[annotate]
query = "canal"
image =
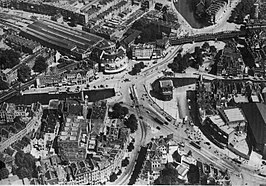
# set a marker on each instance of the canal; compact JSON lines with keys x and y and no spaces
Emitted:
{"x":44,"y":98}
{"x":185,"y":8}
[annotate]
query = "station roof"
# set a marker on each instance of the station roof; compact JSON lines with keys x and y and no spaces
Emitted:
{"x":62,"y":35}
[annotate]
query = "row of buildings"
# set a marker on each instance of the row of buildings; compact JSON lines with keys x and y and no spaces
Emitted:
{"x":231,"y":62}
{"x":17,"y":121}
{"x":68,"y":11}
{"x":256,"y":49}
{"x":99,"y":7}
{"x":75,"y":77}
{"x":150,"y":51}
{"x":168,"y":26}
{"x":162,"y":151}
{"x":92,"y":144}
{"x":227,"y":110}
{"x":86,"y":70}
{"x":214,"y":9}
{"x":83,"y":13}
{"x":66,"y":41}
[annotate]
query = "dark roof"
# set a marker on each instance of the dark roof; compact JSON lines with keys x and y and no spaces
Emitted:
{"x":255,"y":114}
{"x":61,"y":35}
{"x":132,"y":37}
{"x":120,"y":52}
{"x":162,"y":42}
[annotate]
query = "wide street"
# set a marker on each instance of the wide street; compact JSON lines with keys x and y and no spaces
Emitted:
{"x":147,"y":109}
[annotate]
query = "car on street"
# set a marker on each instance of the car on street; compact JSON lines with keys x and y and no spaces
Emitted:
{"x":158,"y":128}
{"x":261,"y":174}
{"x":168,"y":118}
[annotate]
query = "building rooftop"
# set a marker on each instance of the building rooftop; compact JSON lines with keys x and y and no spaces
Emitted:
{"x":72,"y":129}
{"x":54,"y":103}
{"x":240,"y":99}
{"x":113,"y":56}
{"x":182,"y":170}
{"x":166,"y":83}
{"x":62,"y":36}
{"x":216,"y":119}
{"x":143,"y":46}
{"x":11,"y":180}
{"x":232,"y":115}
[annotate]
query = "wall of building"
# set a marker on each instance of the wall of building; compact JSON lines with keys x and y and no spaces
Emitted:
{"x":219,"y":134}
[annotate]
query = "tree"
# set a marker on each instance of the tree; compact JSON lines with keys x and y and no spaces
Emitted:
{"x":176,"y":156}
{"x":241,"y":10}
{"x":119,"y":172}
{"x":119,"y":111}
{"x":8,"y":58}
{"x":23,"y":173}
{"x":174,"y":66}
{"x":189,"y":153}
{"x":130,"y":147}
{"x":203,"y":179}
{"x":205,"y":46}
{"x":125,"y":162}
{"x":132,"y":123}
{"x":141,"y":64}
{"x":3,"y":85}
{"x":178,"y":64}
{"x":193,"y":174}
{"x":168,"y":176}
{"x":40,"y":64}
{"x":150,"y":31}
{"x":113,"y":177}
{"x":213,"y":49}
{"x":26,"y":164}
{"x":4,"y":173}
{"x":19,"y":159}
{"x":2,"y":165}
{"x":24,"y":73}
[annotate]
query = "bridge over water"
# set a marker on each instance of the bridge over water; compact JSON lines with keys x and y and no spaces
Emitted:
{"x":207,"y":37}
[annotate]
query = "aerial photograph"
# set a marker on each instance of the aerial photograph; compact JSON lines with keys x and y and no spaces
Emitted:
{"x":133,"y":92}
